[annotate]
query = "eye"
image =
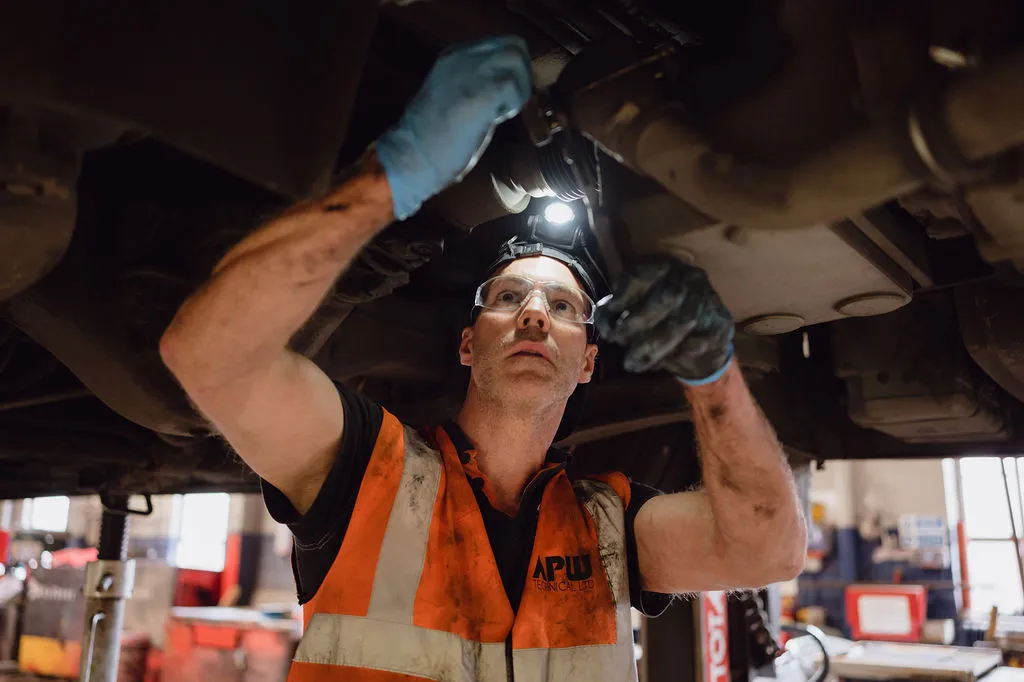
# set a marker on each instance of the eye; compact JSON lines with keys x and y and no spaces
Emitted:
{"x":563,"y":307}
{"x":506,"y":294}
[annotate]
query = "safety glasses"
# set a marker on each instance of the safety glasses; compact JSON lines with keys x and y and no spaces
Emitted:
{"x":509,"y":293}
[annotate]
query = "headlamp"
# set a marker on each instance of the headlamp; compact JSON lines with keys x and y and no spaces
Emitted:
{"x":559,"y":213}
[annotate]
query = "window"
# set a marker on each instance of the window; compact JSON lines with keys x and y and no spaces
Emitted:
{"x":991,"y":554}
{"x":46,"y":514}
{"x":200,"y":524}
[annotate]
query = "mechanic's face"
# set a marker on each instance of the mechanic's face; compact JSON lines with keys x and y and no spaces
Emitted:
{"x":528,"y":356}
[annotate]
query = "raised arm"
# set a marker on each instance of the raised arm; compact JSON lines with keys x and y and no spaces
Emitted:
{"x":227,"y":345}
{"x":744,"y":528}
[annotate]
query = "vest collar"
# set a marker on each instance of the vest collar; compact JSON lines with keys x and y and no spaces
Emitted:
{"x":467,"y":451}
{"x":554,"y":463}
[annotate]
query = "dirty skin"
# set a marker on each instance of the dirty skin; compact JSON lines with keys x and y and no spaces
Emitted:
{"x":727,"y":481}
{"x":712,"y":421}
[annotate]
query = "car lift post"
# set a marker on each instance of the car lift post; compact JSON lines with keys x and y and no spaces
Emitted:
{"x":108,"y":583}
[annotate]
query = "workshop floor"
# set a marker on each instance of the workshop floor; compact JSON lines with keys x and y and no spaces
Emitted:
{"x":21,"y":677}
{"x":9,"y":673}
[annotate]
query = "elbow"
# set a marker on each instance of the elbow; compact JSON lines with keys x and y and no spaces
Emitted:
{"x":189,"y":367}
{"x":779,"y":556}
{"x":790,"y":566}
{"x":789,"y":553}
{"x":778,"y":565}
{"x":202,"y":361}
{"x":178,"y":354}
{"x":171,"y":348}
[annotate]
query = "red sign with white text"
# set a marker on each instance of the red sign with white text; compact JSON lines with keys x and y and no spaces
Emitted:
{"x":715,"y":636}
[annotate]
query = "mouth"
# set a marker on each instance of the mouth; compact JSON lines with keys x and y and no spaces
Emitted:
{"x":531,"y":350}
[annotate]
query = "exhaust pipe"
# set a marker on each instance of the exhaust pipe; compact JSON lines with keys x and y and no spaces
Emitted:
{"x":624,"y":107}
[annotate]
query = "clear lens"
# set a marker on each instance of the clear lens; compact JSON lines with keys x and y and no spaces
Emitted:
{"x":504,"y":293}
{"x":568,"y":303}
{"x":509,"y":293}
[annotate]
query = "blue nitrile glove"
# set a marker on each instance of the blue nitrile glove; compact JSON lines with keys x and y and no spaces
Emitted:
{"x":668,"y":316}
{"x":471,"y":89}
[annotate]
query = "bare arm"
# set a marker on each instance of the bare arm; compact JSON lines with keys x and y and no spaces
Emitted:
{"x":227,"y":345}
{"x":745,"y":528}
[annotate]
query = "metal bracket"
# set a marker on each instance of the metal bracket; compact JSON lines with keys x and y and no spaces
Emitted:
{"x":109,"y":579}
{"x":935,"y":147}
{"x":537,"y":120}
{"x":90,"y":645}
{"x":111,"y":508}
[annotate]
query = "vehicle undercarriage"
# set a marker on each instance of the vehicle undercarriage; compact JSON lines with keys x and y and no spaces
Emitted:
{"x":849,"y":173}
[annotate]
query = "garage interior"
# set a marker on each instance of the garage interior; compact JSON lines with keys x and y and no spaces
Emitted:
{"x":849,"y":173}
{"x":914,"y":552}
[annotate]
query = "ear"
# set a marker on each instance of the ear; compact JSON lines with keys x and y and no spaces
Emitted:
{"x":466,"y":347}
{"x":589,"y":362}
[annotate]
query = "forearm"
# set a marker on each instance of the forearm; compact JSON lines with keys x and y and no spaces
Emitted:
{"x":269,"y":284}
{"x":749,"y":483}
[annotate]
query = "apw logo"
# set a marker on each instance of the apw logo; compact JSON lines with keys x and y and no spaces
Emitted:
{"x":563,"y":573}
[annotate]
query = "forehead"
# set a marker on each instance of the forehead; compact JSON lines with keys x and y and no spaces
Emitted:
{"x":541,"y":268}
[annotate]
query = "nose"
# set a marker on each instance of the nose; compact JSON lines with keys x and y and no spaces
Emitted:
{"x":534,"y":313}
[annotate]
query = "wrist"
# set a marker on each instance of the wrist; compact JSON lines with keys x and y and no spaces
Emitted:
{"x":366,"y":190}
{"x":714,"y":376}
{"x":410,"y":176}
{"x":372,"y":181}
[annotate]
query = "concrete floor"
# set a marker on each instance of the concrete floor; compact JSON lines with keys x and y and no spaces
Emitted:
{"x":14,"y":676}
{"x":9,"y":673}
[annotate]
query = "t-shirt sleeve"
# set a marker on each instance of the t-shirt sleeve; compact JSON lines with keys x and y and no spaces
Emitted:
{"x":319,"y":533}
{"x":651,"y":604}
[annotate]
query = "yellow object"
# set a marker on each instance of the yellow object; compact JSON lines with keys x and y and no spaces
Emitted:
{"x":811,"y":615}
{"x":47,"y":656}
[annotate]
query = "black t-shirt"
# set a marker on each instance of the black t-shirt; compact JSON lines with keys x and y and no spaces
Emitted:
{"x":319,"y":534}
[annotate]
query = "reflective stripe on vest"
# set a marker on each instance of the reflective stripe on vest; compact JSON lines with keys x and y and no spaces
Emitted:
{"x":409,"y":625}
{"x":357,"y":642}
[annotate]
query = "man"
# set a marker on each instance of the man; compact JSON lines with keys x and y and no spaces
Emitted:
{"x":465,"y":552}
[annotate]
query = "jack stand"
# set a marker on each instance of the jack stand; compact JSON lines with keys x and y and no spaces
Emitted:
{"x":108,"y":583}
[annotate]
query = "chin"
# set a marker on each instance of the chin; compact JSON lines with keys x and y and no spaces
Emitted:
{"x":525,"y":383}
{"x":537,"y":387}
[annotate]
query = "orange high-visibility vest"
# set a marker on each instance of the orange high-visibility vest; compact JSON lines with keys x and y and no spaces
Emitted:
{"x":415,"y":593}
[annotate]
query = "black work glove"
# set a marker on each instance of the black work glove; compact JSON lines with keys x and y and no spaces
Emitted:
{"x":668,"y":316}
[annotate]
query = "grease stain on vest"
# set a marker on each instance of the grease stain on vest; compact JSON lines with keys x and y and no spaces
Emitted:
{"x":457,"y":590}
{"x":416,"y":483}
{"x":418,"y":487}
